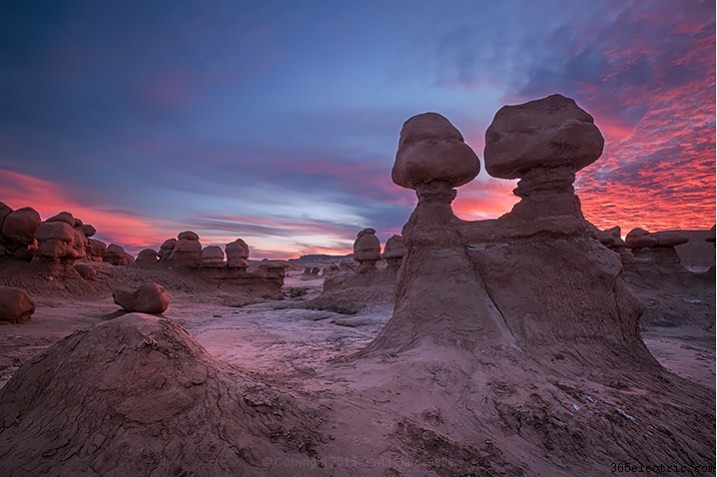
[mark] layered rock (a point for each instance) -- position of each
(237, 254)
(18, 231)
(212, 257)
(393, 252)
(367, 250)
(61, 243)
(165, 250)
(148, 298)
(86, 271)
(95, 250)
(16, 305)
(187, 252)
(509, 327)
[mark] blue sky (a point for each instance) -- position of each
(277, 122)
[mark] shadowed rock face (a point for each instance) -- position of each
(658, 247)
(148, 298)
(394, 251)
(148, 400)
(16, 305)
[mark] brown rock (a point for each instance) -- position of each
(431, 149)
(165, 250)
(637, 238)
(148, 298)
(212, 257)
(367, 250)
(95, 250)
(55, 240)
(146, 258)
(65, 217)
(237, 254)
(4, 212)
(188, 235)
(545, 133)
(116, 255)
(187, 253)
(19, 226)
(393, 252)
(16, 305)
(86, 271)
(670, 239)
(88, 230)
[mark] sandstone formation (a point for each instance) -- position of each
(212, 257)
(117, 256)
(16, 305)
(86, 271)
(18, 227)
(146, 258)
(95, 250)
(187, 252)
(61, 243)
(137, 395)
(148, 298)
(165, 250)
(487, 312)
(367, 250)
(393, 252)
(237, 254)
(658, 247)
(88, 230)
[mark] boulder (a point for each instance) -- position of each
(187, 253)
(188, 235)
(117, 256)
(165, 250)
(88, 230)
(393, 252)
(95, 250)
(237, 254)
(146, 258)
(16, 305)
(367, 250)
(148, 298)
(86, 271)
(18, 228)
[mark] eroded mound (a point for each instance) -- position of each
(138, 395)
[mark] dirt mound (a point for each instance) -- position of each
(138, 395)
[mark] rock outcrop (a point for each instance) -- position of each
(237, 254)
(148, 298)
(212, 257)
(515, 322)
(187, 251)
(146, 258)
(165, 250)
(95, 250)
(393, 252)
(367, 250)
(16, 305)
(142, 382)
(61, 243)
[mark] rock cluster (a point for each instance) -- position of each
(393, 252)
(17, 232)
(116, 255)
(61, 242)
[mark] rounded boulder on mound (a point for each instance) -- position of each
(137, 395)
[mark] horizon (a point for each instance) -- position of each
(235, 122)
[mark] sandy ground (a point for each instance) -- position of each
(300, 349)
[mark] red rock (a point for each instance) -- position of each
(88, 230)
(212, 257)
(19, 226)
(432, 149)
(148, 298)
(86, 271)
(188, 235)
(16, 305)
(237, 254)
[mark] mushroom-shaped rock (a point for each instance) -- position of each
(146, 258)
(638, 238)
(367, 250)
(148, 298)
(237, 254)
(212, 257)
(86, 271)
(165, 250)
(19, 226)
(188, 235)
(187, 253)
(116, 255)
(16, 305)
(394, 251)
(545, 133)
(432, 149)
(670, 239)
(88, 230)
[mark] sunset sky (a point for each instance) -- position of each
(278, 121)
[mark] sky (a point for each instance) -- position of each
(278, 121)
